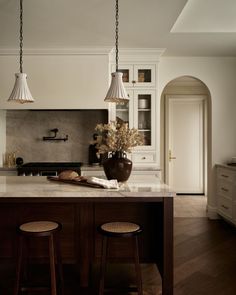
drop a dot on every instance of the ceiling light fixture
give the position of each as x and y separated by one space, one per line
21 92
117 92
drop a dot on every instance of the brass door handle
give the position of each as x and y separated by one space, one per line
170 157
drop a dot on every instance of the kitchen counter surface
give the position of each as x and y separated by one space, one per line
231 167
28 187
8 169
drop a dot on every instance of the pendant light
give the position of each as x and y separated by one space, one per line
21 92
117 92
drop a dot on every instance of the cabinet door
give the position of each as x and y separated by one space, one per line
144 111
124 112
128 74
144 76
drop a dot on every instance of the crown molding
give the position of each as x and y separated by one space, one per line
58 51
137 54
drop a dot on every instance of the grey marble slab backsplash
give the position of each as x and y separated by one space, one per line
25 130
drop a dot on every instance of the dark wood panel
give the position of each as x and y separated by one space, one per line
12 216
142 214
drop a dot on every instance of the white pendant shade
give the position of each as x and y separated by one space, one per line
117 92
21 92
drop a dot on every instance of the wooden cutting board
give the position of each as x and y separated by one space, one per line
77 182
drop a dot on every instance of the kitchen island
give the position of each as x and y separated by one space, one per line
81 209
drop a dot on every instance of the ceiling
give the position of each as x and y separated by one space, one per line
184 28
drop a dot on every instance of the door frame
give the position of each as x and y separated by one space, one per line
167 98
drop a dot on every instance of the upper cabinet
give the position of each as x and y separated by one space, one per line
139 75
140 68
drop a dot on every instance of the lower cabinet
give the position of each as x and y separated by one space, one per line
143 175
226 192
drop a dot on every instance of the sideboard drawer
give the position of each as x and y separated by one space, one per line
225 206
143 158
225 188
226 174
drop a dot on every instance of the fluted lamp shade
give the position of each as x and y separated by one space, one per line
117 92
21 92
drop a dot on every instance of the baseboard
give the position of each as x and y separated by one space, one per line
212 212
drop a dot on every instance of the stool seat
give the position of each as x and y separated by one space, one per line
39 226
119 229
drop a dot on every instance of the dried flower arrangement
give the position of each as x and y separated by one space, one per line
117 137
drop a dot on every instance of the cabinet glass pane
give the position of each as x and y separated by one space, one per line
144 117
125 76
144 75
122 113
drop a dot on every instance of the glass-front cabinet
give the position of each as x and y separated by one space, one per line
139 113
140 69
138 75
144 106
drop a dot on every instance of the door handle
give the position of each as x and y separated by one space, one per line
170 157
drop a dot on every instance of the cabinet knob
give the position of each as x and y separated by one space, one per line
133 81
143 158
224 189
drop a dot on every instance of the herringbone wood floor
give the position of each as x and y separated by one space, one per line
205 263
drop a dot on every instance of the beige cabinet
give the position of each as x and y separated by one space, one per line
226 192
138 75
142 111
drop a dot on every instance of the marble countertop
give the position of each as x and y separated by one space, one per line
28 187
231 167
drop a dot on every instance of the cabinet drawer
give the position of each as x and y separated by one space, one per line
225 188
226 174
225 206
143 158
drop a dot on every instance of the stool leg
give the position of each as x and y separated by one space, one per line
59 263
137 267
18 266
52 265
103 265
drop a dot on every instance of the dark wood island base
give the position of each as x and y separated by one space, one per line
80 241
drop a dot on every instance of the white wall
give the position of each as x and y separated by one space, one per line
219 76
63 81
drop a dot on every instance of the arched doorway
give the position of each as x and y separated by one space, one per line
184 95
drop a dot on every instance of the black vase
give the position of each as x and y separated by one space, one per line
117 166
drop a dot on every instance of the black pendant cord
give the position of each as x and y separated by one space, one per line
117 31
21 36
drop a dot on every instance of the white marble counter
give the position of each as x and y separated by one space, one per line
231 167
40 187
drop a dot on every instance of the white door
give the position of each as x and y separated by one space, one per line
184 143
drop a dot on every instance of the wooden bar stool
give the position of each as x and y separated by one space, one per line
120 230
39 229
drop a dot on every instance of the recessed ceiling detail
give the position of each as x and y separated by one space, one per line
207 16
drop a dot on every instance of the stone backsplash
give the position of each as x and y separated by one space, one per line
25 130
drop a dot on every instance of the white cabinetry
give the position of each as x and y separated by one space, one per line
139 68
143 175
226 192
138 75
